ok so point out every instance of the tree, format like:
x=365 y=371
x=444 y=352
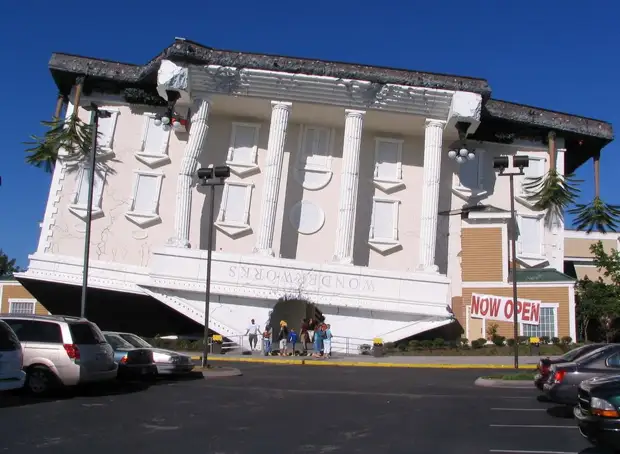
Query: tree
x=599 y=301
x=7 y=265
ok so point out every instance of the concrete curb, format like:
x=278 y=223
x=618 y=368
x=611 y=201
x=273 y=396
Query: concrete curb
x=221 y=372
x=338 y=363
x=511 y=384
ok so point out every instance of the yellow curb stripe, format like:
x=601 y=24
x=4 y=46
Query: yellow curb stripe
x=303 y=362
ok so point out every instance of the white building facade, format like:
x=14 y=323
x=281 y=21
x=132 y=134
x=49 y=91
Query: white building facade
x=335 y=195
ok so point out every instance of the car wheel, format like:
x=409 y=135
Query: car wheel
x=39 y=380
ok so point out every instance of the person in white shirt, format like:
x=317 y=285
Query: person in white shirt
x=252 y=334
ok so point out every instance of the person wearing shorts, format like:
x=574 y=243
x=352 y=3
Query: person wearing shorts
x=283 y=338
x=252 y=333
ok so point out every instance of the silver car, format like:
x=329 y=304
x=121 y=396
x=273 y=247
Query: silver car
x=61 y=351
x=167 y=361
x=565 y=378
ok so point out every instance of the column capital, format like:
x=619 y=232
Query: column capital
x=284 y=105
x=354 y=113
x=434 y=123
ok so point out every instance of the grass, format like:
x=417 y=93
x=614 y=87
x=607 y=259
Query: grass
x=514 y=376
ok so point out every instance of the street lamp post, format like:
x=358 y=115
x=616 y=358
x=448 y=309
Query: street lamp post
x=501 y=163
x=210 y=177
x=95 y=115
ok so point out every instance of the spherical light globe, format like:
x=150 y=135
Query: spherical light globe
x=460 y=159
x=452 y=154
x=157 y=122
x=471 y=156
x=463 y=152
x=165 y=127
x=165 y=120
x=176 y=125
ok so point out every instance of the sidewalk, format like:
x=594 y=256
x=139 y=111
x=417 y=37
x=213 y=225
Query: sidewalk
x=439 y=362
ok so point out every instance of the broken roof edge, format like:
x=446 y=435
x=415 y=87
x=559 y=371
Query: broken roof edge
x=190 y=52
x=530 y=115
x=66 y=67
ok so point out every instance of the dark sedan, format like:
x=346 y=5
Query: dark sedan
x=544 y=365
x=598 y=412
x=133 y=363
x=564 y=378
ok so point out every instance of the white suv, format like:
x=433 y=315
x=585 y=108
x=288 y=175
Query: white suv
x=61 y=351
x=11 y=360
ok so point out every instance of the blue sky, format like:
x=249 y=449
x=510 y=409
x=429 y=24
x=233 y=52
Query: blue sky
x=560 y=55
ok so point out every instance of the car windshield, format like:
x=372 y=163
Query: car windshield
x=117 y=342
x=595 y=354
x=136 y=341
x=580 y=351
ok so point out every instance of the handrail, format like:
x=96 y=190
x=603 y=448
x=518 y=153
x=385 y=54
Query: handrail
x=340 y=344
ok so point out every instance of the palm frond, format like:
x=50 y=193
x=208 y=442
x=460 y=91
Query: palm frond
x=73 y=135
x=552 y=192
x=596 y=215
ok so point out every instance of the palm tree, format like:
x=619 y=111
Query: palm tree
x=72 y=135
x=555 y=193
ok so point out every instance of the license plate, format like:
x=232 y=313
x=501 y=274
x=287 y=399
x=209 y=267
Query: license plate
x=144 y=371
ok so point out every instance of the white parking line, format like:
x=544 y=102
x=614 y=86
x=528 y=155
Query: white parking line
x=518 y=409
x=513 y=451
x=532 y=426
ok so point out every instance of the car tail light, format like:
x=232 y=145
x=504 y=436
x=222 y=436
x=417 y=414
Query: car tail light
x=72 y=350
x=124 y=360
x=559 y=376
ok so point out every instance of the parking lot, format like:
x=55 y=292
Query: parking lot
x=297 y=409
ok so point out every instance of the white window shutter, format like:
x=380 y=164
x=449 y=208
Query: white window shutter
x=222 y=213
x=229 y=156
x=98 y=187
x=106 y=126
x=248 y=198
x=399 y=169
x=372 y=220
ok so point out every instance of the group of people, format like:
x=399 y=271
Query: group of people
x=315 y=333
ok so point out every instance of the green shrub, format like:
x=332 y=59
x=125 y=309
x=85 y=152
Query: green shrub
x=510 y=342
x=544 y=340
x=414 y=345
x=482 y=341
x=426 y=344
x=402 y=347
x=498 y=340
x=555 y=340
x=566 y=340
x=523 y=340
x=439 y=343
x=475 y=344
x=463 y=342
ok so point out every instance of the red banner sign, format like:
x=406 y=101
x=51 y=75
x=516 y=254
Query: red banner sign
x=501 y=308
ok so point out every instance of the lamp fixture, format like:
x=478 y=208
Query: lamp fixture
x=170 y=119
x=462 y=154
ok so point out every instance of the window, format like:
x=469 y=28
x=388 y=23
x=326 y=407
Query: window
x=548 y=324
x=8 y=339
x=384 y=225
x=316 y=148
x=531 y=232
x=471 y=177
x=234 y=215
x=243 y=149
x=154 y=148
x=144 y=203
x=535 y=169
x=388 y=164
x=613 y=361
x=106 y=128
x=85 y=334
x=36 y=331
x=80 y=196
x=21 y=306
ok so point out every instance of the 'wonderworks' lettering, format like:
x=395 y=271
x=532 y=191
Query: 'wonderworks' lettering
x=299 y=279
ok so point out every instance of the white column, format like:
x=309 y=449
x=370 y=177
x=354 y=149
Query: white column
x=189 y=163
x=349 y=180
x=433 y=136
x=280 y=112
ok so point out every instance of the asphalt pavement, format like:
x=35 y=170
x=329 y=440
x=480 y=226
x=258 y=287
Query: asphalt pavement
x=294 y=409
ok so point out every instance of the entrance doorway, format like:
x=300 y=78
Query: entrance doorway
x=293 y=310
